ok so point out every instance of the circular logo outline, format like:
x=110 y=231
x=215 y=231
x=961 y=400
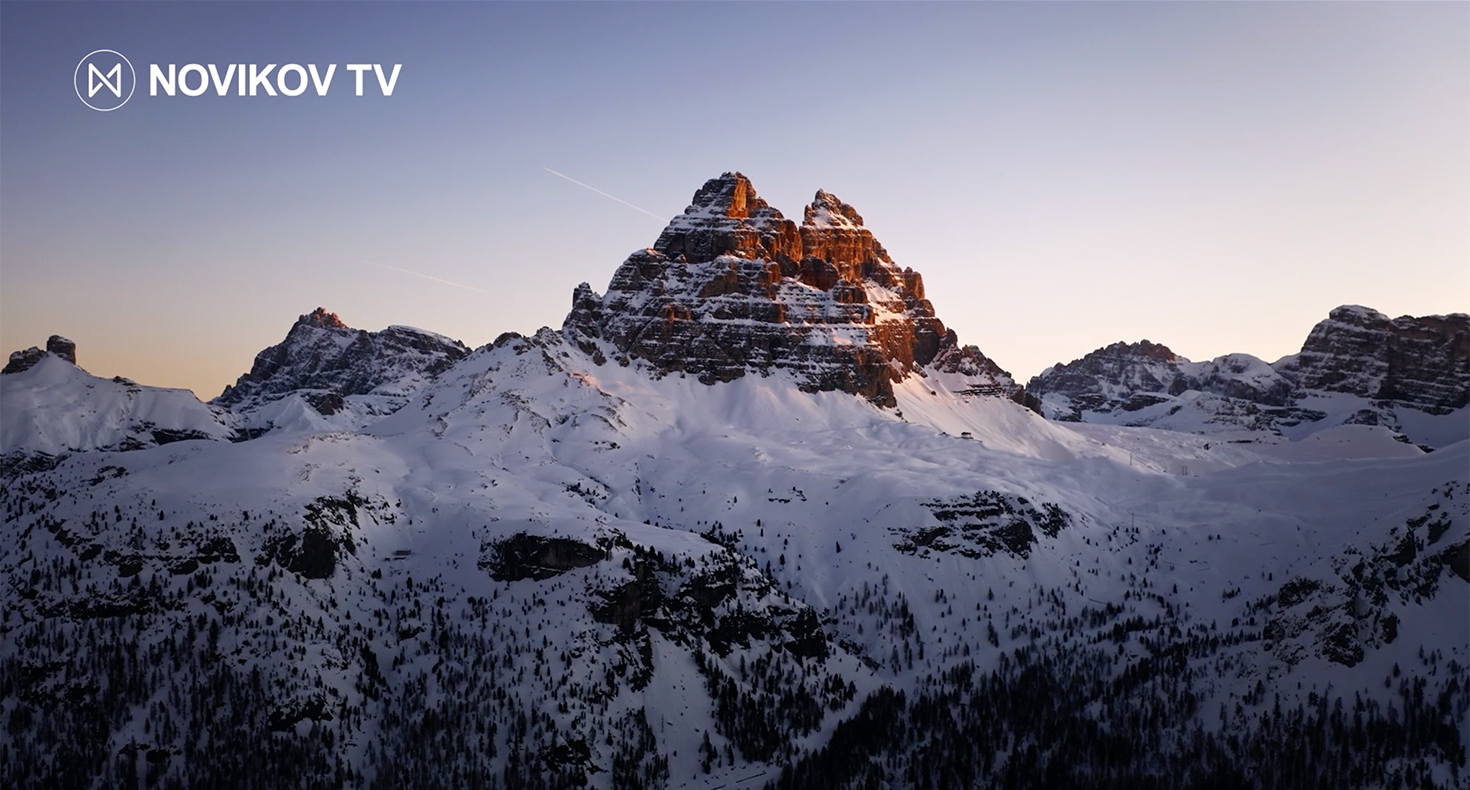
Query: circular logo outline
x=76 y=72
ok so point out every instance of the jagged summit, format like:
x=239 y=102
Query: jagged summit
x=1356 y=367
x=827 y=209
x=732 y=286
x=1421 y=362
x=1120 y=376
x=322 y=319
x=726 y=216
x=326 y=360
x=832 y=231
x=1119 y=356
x=26 y=359
x=1126 y=378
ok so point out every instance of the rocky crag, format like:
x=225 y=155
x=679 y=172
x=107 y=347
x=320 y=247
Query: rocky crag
x=1421 y=363
x=326 y=361
x=1356 y=367
x=733 y=287
x=323 y=376
x=21 y=361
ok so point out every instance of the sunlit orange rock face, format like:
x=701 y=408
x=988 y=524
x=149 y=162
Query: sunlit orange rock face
x=833 y=231
x=732 y=286
x=728 y=218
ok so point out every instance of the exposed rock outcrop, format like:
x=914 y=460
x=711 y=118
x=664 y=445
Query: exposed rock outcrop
x=61 y=347
x=733 y=287
x=325 y=361
x=23 y=360
x=1385 y=365
x=1122 y=376
x=1347 y=605
x=726 y=217
x=1422 y=363
x=27 y=359
x=525 y=556
x=982 y=525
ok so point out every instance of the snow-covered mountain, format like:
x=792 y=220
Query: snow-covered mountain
x=326 y=374
x=56 y=345
x=573 y=559
x=1409 y=374
x=323 y=376
x=1419 y=363
x=50 y=407
x=732 y=287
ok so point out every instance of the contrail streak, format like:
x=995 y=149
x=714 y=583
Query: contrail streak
x=432 y=277
x=604 y=194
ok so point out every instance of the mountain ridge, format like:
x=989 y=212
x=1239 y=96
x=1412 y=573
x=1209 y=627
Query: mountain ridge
x=323 y=375
x=676 y=532
x=561 y=562
x=732 y=287
x=321 y=353
x=1355 y=367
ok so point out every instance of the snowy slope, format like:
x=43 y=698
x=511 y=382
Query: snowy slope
x=675 y=546
x=325 y=376
x=55 y=407
x=390 y=564
x=1410 y=375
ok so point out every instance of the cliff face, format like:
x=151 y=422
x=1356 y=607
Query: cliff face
x=1385 y=367
x=1422 y=363
x=323 y=357
x=27 y=359
x=731 y=287
x=1120 y=376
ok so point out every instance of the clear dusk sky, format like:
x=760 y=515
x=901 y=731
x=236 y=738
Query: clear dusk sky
x=1214 y=177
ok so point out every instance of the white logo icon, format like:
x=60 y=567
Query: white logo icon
x=110 y=74
x=93 y=75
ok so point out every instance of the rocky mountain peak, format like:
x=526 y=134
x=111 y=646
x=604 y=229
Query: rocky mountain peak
x=61 y=347
x=321 y=319
x=1120 y=376
x=832 y=231
x=1121 y=356
x=731 y=286
x=26 y=359
x=1356 y=314
x=1387 y=365
x=827 y=210
x=1144 y=349
x=1421 y=362
x=731 y=195
x=727 y=217
x=326 y=360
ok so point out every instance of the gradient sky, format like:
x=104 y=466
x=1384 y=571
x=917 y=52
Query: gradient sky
x=1212 y=177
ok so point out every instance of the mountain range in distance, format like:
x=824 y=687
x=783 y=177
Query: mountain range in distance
x=752 y=516
x=793 y=297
